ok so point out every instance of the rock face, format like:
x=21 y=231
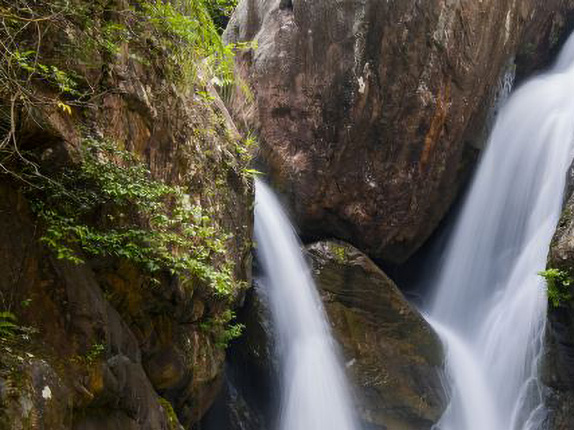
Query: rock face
x=45 y=376
x=368 y=110
x=559 y=354
x=102 y=345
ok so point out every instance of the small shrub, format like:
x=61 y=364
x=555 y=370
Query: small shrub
x=231 y=332
x=558 y=283
x=224 y=328
x=8 y=325
x=111 y=206
x=95 y=352
x=185 y=29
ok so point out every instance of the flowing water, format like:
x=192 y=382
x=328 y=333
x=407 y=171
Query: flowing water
x=315 y=395
x=489 y=303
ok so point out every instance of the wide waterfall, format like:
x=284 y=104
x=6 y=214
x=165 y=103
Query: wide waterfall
x=489 y=303
x=315 y=395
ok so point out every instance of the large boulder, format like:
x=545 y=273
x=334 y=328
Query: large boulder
x=393 y=356
x=369 y=111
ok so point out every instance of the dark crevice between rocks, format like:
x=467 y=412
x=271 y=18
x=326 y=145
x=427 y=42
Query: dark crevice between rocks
x=415 y=275
x=286 y=4
x=249 y=399
x=235 y=407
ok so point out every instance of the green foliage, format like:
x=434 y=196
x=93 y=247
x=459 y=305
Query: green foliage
x=112 y=207
x=224 y=327
x=178 y=37
x=220 y=11
x=64 y=82
x=186 y=30
x=231 y=332
x=253 y=172
x=113 y=34
x=245 y=149
x=558 y=283
x=95 y=352
x=26 y=303
x=92 y=355
x=339 y=252
x=8 y=325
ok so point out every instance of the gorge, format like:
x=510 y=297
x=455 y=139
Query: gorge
x=286 y=215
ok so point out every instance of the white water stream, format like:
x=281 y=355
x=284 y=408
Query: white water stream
x=314 y=390
x=489 y=303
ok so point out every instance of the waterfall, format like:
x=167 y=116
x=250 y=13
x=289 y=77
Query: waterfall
x=315 y=395
x=489 y=303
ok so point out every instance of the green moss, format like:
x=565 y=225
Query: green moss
x=528 y=50
x=555 y=33
x=339 y=252
x=171 y=415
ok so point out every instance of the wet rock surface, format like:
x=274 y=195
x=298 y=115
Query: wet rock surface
x=251 y=394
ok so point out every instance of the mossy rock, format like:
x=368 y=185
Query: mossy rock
x=393 y=356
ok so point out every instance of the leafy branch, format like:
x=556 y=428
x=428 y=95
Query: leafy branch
x=558 y=283
x=111 y=206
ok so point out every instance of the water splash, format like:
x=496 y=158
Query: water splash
x=489 y=303
x=315 y=395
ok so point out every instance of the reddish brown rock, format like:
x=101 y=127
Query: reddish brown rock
x=368 y=111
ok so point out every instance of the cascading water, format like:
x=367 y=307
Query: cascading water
x=315 y=395
x=489 y=303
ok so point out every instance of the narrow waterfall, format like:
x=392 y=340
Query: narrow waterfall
x=315 y=395
x=489 y=303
